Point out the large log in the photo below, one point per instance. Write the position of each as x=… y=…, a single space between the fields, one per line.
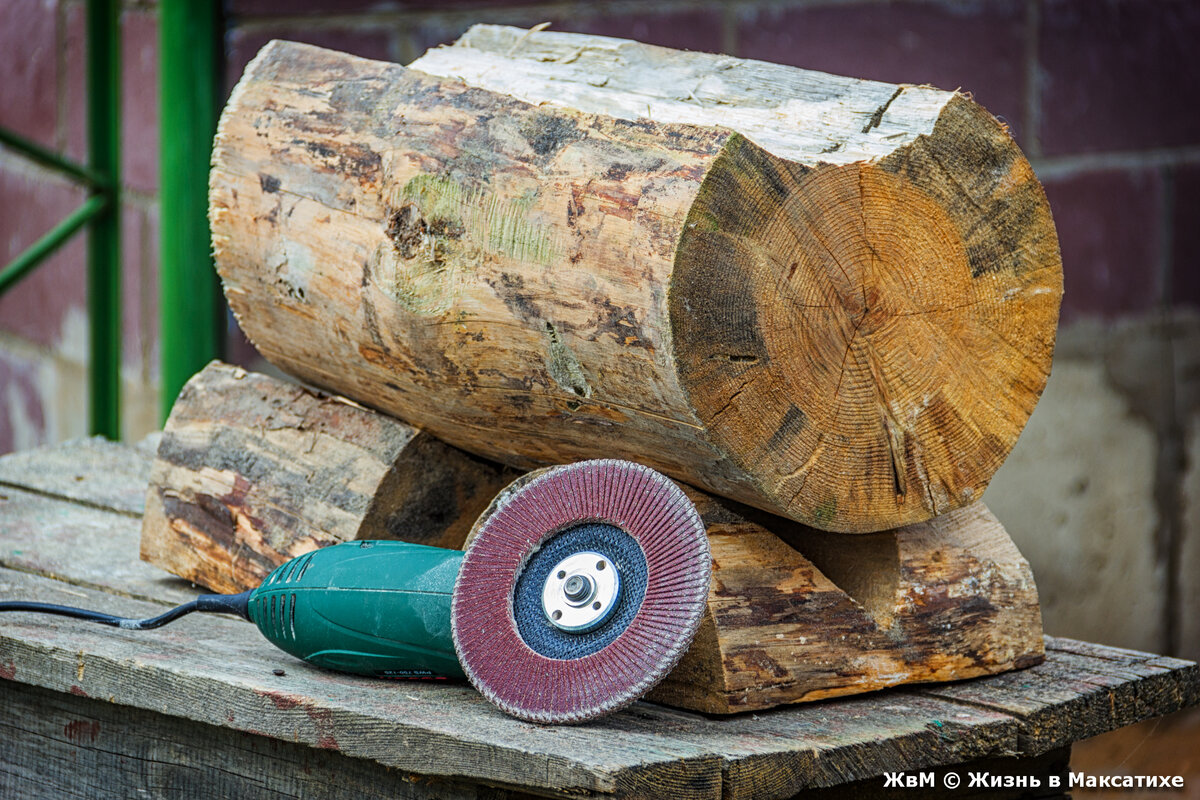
x=794 y=614
x=252 y=471
x=829 y=298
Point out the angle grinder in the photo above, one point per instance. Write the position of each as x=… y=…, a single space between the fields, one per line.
x=576 y=596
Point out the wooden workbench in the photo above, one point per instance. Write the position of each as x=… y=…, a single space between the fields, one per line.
x=200 y=709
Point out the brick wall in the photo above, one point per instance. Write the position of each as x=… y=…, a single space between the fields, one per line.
x=1099 y=93
x=43 y=319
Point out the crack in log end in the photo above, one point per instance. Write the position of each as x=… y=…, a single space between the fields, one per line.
x=789 y=428
x=877 y=117
x=563 y=366
x=895 y=438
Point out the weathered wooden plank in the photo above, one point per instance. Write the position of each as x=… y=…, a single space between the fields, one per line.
x=221 y=672
x=83 y=545
x=1075 y=695
x=1056 y=764
x=1102 y=651
x=180 y=669
x=67 y=746
x=781 y=752
x=639 y=753
x=92 y=471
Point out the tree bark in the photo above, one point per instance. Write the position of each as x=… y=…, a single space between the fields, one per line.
x=252 y=471
x=831 y=299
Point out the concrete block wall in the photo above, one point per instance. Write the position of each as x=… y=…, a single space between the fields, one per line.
x=1103 y=490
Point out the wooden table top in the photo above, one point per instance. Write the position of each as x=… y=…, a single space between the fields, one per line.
x=69 y=529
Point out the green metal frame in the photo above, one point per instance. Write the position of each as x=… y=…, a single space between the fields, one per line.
x=104 y=239
x=191 y=306
x=192 y=312
x=101 y=212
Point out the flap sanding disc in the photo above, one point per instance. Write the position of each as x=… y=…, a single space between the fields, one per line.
x=581 y=591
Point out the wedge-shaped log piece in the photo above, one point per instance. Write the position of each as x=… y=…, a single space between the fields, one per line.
x=797 y=614
x=252 y=471
x=829 y=298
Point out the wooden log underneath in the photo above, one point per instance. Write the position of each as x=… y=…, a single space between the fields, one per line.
x=828 y=298
x=797 y=614
x=252 y=471
x=794 y=614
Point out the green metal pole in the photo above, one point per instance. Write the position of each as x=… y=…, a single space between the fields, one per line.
x=40 y=155
x=192 y=310
x=104 y=240
x=44 y=247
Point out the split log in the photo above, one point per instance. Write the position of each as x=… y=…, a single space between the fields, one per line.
x=794 y=614
x=252 y=471
x=829 y=298
x=797 y=614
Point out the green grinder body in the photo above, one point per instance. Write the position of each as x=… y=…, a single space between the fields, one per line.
x=377 y=608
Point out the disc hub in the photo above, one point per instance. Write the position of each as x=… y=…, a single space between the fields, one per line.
x=581 y=592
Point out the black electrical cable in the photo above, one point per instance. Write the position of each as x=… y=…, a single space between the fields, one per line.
x=210 y=603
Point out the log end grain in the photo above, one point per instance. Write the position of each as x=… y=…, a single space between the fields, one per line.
x=868 y=339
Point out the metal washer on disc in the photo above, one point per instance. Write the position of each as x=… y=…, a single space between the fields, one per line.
x=581 y=592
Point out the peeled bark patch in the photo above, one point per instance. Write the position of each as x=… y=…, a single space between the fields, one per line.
x=832 y=299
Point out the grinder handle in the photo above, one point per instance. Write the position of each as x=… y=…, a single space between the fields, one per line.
x=377 y=608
